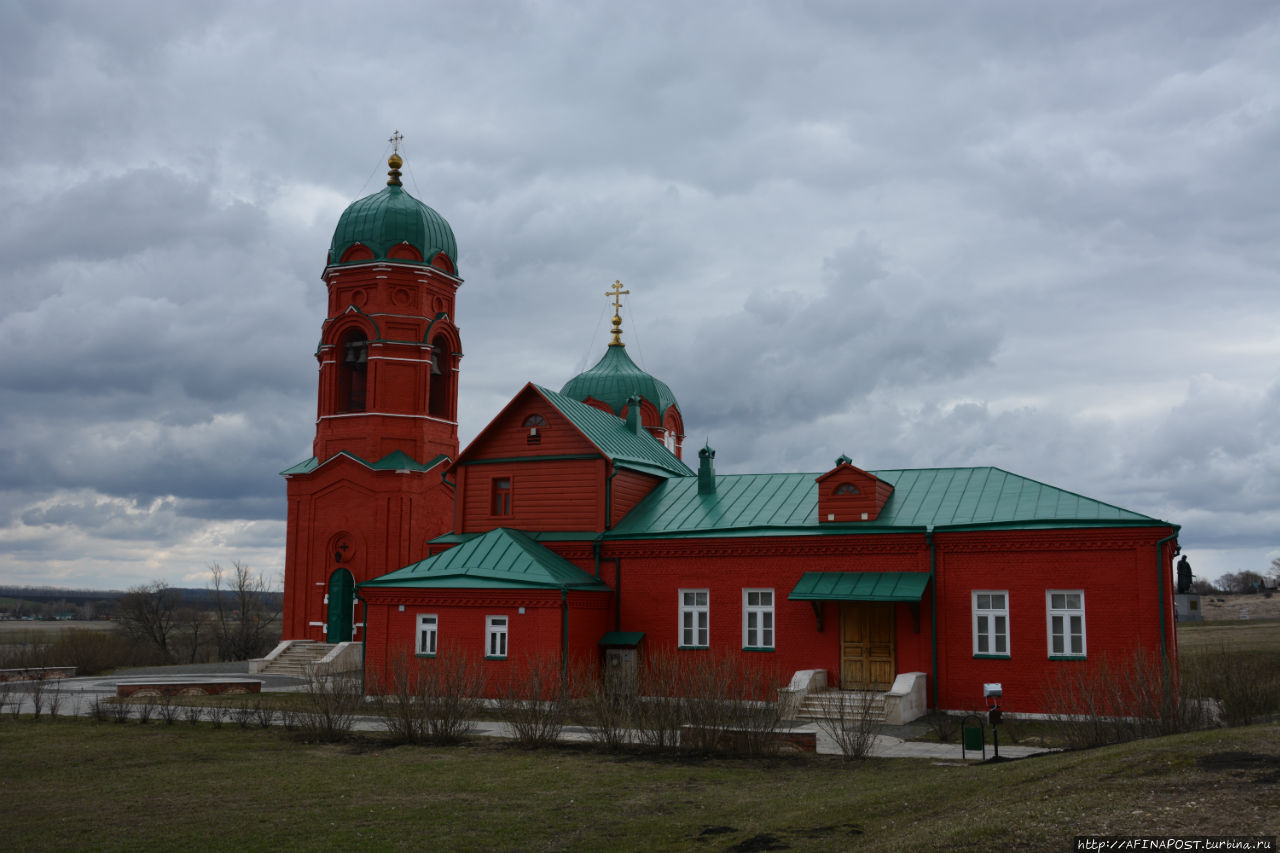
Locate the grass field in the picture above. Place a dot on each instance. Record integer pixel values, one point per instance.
(80, 785)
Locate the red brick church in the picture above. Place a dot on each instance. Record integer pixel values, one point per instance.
(572, 525)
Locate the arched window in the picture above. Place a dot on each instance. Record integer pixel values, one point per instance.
(846, 489)
(353, 368)
(440, 391)
(534, 424)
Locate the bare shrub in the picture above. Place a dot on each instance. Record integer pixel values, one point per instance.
(119, 711)
(4, 696)
(943, 725)
(168, 709)
(192, 714)
(448, 692)
(533, 700)
(1107, 701)
(332, 703)
(36, 692)
(242, 713)
(705, 703)
(608, 708)
(146, 710)
(216, 714)
(850, 719)
(99, 710)
(396, 701)
(263, 712)
(1244, 685)
(55, 698)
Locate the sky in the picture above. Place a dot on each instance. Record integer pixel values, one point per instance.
(1036, 235)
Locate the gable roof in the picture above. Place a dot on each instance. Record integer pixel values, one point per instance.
(499, 559)
(396, 460)
(615, 440)
(924, 498)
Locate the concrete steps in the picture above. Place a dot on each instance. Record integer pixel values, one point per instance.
(298, 659)
(830, 704)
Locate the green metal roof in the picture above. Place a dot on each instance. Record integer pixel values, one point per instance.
(396, 460)
(860, 586)
(389, 217)
(622, 638)
(786, 504)
(500, 559)
(611, 436)
(614, 379)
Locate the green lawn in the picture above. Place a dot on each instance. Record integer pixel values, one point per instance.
(81, 785)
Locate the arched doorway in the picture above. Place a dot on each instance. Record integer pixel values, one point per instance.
(341, 596)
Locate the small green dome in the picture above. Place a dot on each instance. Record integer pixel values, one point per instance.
(388, 218)
(614, 379)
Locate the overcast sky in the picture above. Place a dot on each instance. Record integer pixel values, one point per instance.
(1037, 235)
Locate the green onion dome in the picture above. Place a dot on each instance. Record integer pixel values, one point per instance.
(615, 379)
(392, 225)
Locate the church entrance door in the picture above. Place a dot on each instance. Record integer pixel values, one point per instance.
(866, 645)
(341, 597)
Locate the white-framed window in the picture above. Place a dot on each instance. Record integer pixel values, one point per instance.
(427, 625)
(695, 618)
(757, 619)
(991, 622)
(495, 636)
(1065, 621)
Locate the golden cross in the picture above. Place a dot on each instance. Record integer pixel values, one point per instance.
(395, 142)
(617, 295)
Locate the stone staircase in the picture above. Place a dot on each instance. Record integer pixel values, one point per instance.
(298, 659)
(826, 704)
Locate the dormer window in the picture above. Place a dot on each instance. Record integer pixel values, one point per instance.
(534, 425)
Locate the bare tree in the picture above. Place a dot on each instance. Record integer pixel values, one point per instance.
(1243, 581)
(149, 613)
(245, 612)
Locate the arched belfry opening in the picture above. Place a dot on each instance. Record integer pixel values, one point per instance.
(353, 372)
(443, 376)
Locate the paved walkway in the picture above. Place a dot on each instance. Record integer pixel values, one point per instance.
(78, 694)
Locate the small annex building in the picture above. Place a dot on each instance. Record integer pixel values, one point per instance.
(571, 524)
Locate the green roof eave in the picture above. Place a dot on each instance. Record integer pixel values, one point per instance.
(396, 460)
(501, 558)
(860, 586)
(304, 467)
(622, 638)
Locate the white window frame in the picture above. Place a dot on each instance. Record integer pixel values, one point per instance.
(987, 616)
(757, 619)
(428, 634)
(695, 618)
(495, 637)
(1058, 623)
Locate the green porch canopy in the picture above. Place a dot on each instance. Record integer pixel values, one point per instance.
(860, 586)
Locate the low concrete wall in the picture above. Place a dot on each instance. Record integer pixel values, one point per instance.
(906, 699)
(803, 682)
(257, 665)
(345, 657)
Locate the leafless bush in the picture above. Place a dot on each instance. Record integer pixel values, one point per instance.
(608, 708)
(1245, 685)
(4, 696)
(38, 693)
(119, 711)
(242, 712)
(55, 698)
(146, 710)
(533, 700)
(192, 714)
(850, 719)
(216, 714)
(1106, 701)
(396, 701)
(448, 692)
(704, 703)
(263, 712)
(943, 725)
(332, 703)
(168, 709)
(99, 710)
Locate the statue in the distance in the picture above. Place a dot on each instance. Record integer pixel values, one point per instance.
(1184, 576)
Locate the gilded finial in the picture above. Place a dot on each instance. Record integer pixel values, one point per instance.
(394, 161)
(617, 293)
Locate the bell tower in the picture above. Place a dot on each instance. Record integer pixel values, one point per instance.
(373, 494)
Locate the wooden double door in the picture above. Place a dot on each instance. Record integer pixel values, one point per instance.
(866, 645)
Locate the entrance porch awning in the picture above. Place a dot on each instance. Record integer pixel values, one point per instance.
(860, 586)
